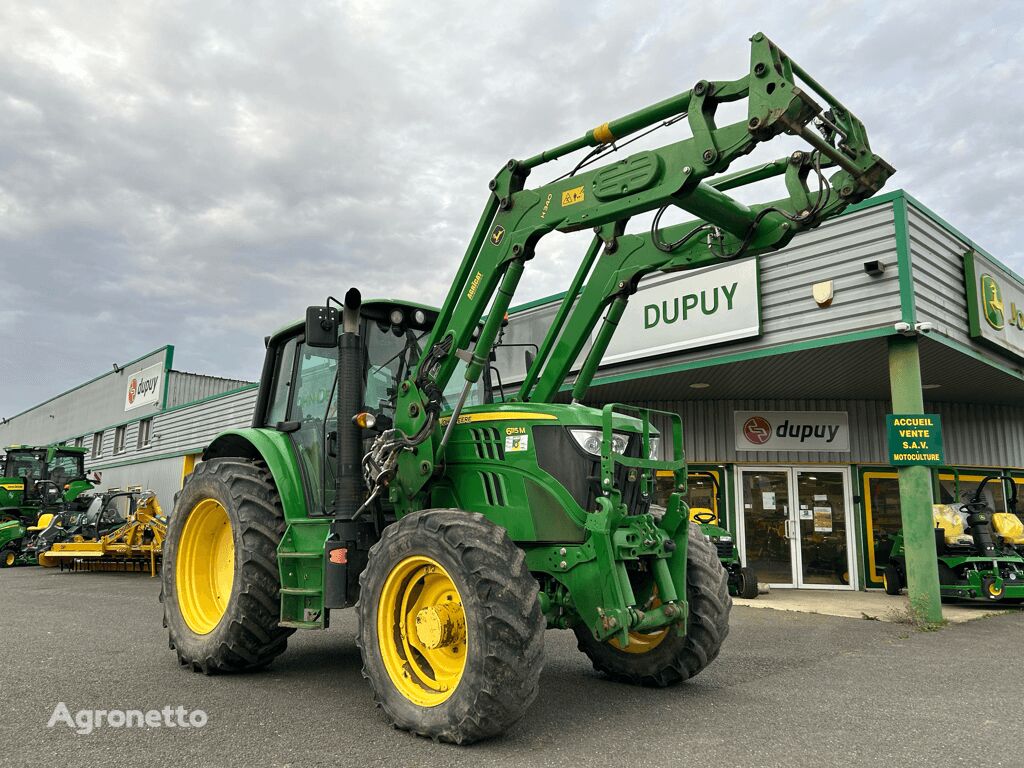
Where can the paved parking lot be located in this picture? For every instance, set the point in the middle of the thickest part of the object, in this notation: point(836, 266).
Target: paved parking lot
point(789, 689)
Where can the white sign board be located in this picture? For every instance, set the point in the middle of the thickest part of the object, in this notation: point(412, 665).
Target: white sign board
point(687, 310)
point(143, 387)
point(791, 430)
point(995, 303)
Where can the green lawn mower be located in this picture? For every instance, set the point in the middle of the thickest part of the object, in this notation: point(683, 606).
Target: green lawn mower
point(742, 579)
point(979, 550)
point(12, 533)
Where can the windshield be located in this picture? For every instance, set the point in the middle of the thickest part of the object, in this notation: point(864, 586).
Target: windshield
point(392, 353)
point(25, 464)
point(67, 466)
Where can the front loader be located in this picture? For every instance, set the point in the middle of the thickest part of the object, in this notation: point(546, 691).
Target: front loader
point(377, 475)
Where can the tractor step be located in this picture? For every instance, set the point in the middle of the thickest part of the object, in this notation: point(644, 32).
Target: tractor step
point(301, 624)
point(300, 591)
point(301, 555)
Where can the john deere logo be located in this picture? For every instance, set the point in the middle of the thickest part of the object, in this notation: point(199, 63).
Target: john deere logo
point(498, 235)
point(992, 302)
point(757, 430)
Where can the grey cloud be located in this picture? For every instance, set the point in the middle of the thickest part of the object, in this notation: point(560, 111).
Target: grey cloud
point(196, 173)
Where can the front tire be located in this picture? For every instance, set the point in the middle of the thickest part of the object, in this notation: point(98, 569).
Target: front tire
point(450, 627)
point(663, 658)
point(891, 580)
point(747, 583)
point(220, 581)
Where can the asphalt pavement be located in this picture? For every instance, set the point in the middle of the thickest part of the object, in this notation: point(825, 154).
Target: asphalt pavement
point(789, 689)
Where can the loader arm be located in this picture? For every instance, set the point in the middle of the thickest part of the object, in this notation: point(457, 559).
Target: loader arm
point(781, 98)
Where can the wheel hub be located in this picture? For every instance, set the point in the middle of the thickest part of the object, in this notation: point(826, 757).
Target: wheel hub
point(441, 626)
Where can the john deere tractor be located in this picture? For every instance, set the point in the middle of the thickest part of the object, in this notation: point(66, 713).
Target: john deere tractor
point(377, 476)
point(35, 479)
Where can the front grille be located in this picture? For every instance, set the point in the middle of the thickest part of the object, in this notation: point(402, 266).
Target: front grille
point(724, 548)
point(580, 472)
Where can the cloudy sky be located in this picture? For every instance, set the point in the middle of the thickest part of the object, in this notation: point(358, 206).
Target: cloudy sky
point(198, 173)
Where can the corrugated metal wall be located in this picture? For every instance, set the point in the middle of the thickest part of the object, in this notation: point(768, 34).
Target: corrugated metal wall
point(940, 293)
point(974, 435)
point(92, 406)
point(163, 477)
point(182, 430)
point(185, 387)
point(835, 251)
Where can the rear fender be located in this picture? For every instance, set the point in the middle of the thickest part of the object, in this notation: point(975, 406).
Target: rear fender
point(276, 451)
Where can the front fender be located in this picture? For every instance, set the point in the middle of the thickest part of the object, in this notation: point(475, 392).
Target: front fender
point(275, 449)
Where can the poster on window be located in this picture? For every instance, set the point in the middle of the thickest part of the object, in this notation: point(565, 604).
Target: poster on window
point(823, 519)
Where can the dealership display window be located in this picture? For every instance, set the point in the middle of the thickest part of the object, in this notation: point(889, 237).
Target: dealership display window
point(700, 490)
point(881, 499)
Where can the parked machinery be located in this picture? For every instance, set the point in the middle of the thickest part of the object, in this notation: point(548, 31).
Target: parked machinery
point(119, 531)
point(742, 578)
point(978, 550)
point(375, 477)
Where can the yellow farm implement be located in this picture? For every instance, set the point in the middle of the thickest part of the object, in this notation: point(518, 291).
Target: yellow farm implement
point(135, 544)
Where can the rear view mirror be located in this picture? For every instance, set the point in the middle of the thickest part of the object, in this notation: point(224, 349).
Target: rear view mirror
point(322, 327)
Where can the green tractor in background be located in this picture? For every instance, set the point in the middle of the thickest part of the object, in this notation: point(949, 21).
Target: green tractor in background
point(36, 479)
point(377, 475)
point(742, 579)
point(980, 551)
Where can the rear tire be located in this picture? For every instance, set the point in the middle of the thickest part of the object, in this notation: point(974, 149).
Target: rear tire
point(747, 583)
point(891, 580)
point(9, 555)
point(246, 635)
point(672, 659)
point(478, 672)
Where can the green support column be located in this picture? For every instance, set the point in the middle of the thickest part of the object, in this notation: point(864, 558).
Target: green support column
point(915, 486)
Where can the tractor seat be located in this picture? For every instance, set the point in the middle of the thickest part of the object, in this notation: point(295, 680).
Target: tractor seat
point(945, 517)
point(41, 523)
point(1008, 527)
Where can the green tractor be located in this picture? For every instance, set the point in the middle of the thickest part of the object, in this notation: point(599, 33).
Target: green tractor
point(377, 475)
point(742, 578)
point(35, 479)
point(980, 552)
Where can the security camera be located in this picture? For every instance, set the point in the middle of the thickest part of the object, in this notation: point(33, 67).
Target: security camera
point(923, 327)
point(905, 328)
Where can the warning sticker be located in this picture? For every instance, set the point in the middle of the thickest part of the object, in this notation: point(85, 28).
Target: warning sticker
point(572, 196)
point(516, 443)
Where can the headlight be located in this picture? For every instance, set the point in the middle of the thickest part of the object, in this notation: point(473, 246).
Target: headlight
point(725, 539)
point(590, 440)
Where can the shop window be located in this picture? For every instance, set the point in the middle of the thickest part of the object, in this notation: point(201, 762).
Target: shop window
point(145, 427)
point(700, 490)
point(97, 445)
point(952, 492)
point(119, 439)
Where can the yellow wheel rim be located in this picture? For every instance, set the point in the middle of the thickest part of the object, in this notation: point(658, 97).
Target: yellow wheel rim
point(205, 571)
point(642, 642)
point(885, 582)
point(995, 590)
point(9, 559)
point(421, 631)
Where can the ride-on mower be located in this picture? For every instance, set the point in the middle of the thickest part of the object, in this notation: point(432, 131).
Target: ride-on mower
point(377, 476)
point(977, 550)
point(742, 579)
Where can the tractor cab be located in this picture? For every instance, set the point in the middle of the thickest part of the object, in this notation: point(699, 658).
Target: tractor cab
point(37, 476)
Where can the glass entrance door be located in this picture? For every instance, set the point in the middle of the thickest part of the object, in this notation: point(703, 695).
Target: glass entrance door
point(766, 525)
point(795, 526)
point(822, 527)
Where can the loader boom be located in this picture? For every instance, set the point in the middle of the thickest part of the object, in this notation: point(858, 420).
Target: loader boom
point(781, 98)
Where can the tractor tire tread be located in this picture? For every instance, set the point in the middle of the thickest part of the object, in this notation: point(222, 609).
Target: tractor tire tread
point(513, 623)
point(251, 637)
point(710, 604)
